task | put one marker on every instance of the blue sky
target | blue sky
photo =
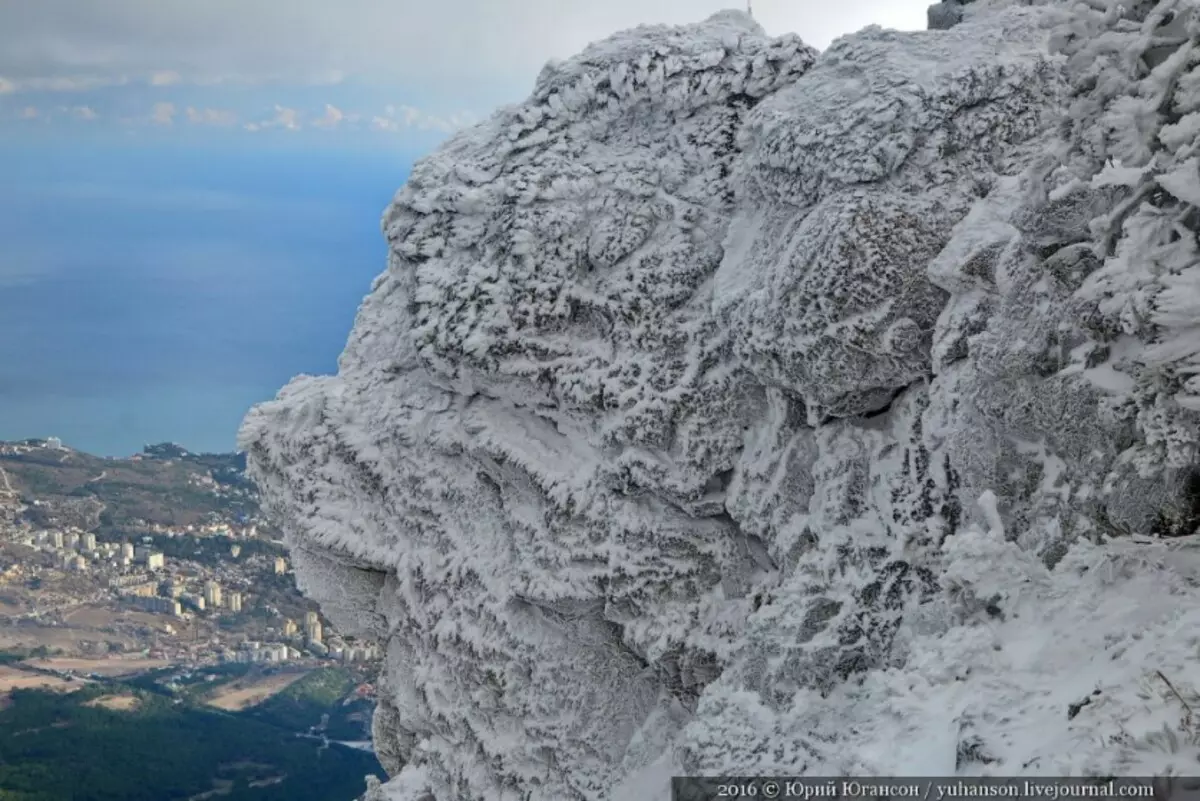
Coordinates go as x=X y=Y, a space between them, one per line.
x=191 y=192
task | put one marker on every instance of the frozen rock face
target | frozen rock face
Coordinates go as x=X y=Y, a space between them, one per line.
x=730 y=408
x=850 y=181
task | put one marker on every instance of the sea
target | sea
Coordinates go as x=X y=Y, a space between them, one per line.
x=155 y=293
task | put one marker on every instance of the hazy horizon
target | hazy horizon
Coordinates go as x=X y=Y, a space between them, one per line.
x=155 y=294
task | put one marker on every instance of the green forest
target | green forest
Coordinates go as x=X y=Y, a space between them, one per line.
x=57 y=747
x=315 y=702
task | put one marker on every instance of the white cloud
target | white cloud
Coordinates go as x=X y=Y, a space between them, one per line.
x=332 y=117
x=455 y=50
x=91 y=81
x=402 y=118
x=167 y=78
x=163 y=114
x=392 y=119
x=60 y=83
x=286 y=118
x=211 y=116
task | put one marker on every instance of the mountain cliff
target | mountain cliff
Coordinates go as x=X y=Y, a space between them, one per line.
x=730 y=407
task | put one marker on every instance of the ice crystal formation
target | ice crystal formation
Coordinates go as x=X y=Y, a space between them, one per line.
x=729 y=408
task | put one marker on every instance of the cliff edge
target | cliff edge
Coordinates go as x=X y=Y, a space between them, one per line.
x=733 y=408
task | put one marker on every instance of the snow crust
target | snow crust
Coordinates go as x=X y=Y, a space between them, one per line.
x=731 y=408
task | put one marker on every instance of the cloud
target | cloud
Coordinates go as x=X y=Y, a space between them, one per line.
x=286 y=118
x=167 y=78
x=454 y=50
x=60 y=83
x=402 y=118
x=163 y=114
x=332 y=118
x=211 y=116
x=92 y=81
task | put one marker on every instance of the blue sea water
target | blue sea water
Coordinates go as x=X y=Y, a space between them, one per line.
x=155 y=293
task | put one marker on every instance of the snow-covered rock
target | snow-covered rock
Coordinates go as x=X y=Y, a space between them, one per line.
x=728 y=407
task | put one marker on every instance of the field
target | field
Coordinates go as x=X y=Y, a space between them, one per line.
x=238 y=695
x=54 y=638
x=102 y=667
x=122 y=703
x=85 y=628
x=16 y=679
x=90 y=616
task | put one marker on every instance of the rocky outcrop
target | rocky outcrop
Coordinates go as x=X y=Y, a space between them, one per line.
x=732 y=408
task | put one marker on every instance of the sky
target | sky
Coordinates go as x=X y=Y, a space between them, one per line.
x=191 y=191
x=392 y=66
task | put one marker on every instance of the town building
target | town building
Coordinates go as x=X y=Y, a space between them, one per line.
x=144 y=590
x=128 y=580
x=251 y=651
x=87 y=542
x=212 y=594
x=162 y=606
x=235 y=602
x=280 y=565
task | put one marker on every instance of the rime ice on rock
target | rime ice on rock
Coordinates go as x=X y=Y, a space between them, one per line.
x=850 y=182
x=728 y=408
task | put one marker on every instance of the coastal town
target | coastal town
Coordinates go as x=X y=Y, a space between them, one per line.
x=176 y=593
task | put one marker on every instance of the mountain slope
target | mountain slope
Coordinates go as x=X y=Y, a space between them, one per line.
x=730 y=408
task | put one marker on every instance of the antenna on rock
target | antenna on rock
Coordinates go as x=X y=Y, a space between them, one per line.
x=750 y=8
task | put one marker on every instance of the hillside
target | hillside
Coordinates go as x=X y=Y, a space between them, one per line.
x=164 y=486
